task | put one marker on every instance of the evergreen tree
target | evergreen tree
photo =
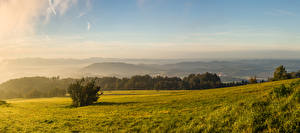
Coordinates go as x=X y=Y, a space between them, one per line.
x=280 y=73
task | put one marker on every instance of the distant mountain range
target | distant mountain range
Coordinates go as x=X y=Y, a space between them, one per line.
x=228 y=70
x=233 y=70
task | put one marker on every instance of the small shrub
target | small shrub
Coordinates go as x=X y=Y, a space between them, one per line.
x=253 y=80
x=282 y=91
x=84 y=92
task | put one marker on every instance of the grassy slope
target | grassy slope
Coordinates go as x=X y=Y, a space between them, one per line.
x=235 y=109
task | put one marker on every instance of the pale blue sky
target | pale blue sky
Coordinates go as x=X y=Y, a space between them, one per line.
x=151 y=28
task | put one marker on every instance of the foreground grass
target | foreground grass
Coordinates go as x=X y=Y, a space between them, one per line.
x=250 y=108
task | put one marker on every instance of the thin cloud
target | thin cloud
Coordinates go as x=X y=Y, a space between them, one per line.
x=58 y=6
x=51 y=7
x=81 y=14
x=280 y=12
x=19 y=17
x=88 y=4
x=88 y=26
x=85 y=14
x=141 y=3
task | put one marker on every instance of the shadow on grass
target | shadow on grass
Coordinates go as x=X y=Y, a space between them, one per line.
x=4 y=104
x=103 y=104
x=122 y=94
x=111 y=103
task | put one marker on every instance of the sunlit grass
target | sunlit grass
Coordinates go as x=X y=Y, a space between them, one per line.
x=214 y=110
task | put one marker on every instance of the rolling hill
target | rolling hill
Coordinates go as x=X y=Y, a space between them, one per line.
x=119 y=69
x=266 y=107
x=227 y=70
x=230 y=70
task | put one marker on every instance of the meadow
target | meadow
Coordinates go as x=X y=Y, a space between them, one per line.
x=249 y=108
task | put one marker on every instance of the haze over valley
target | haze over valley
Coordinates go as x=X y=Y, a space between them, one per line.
x=228 y=70
x=150 y=66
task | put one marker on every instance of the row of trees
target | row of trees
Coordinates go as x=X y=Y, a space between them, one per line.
x=34 y=87
x=87 y=91
x=146 y=82
x=281 y=73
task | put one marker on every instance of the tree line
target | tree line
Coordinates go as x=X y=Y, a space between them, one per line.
x=146 y=82
x=86 y=91
x=34 y=87
x=281 y=73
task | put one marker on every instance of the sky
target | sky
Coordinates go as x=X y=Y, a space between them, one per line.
x=150 y=28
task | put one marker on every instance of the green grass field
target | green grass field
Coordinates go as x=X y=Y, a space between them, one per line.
x=249 y=108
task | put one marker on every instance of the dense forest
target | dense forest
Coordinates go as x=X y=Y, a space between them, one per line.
x=146 y=82
x=33 y=87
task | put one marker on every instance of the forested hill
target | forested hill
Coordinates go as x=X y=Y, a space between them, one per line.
x=120 y=69
x=50 y=87
x=30 y=87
